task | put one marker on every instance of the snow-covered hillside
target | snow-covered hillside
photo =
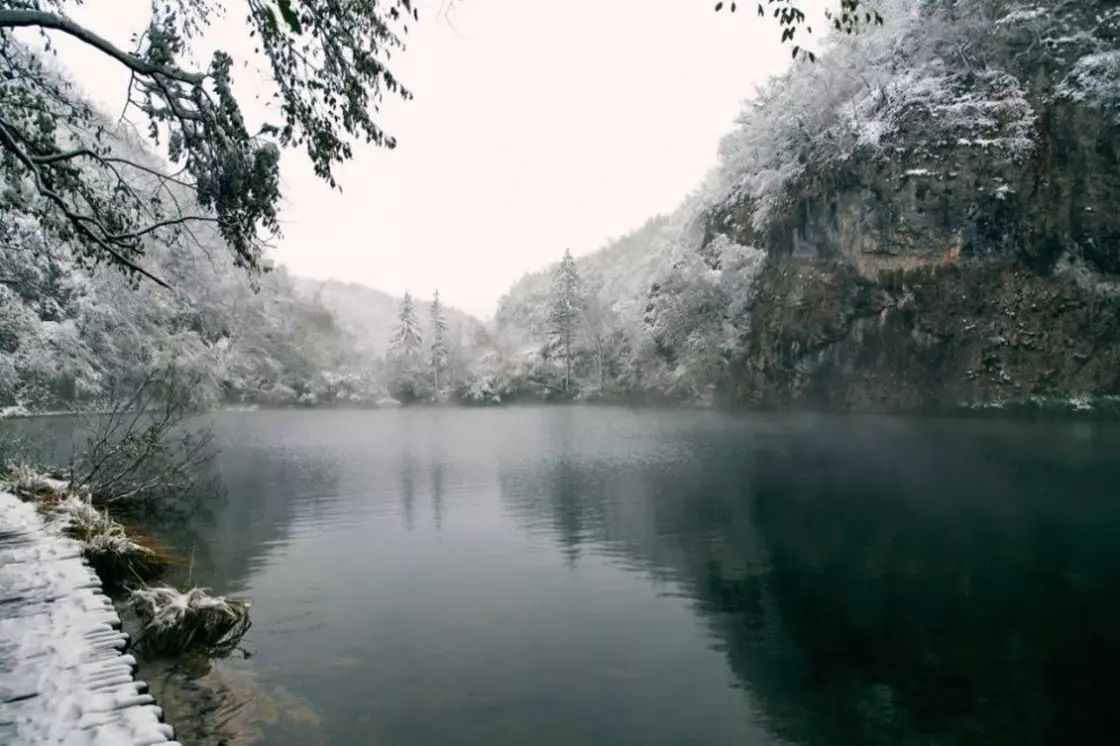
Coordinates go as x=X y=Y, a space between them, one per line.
x=903 y=146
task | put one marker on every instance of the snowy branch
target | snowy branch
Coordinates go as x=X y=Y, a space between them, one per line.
x=16 y=18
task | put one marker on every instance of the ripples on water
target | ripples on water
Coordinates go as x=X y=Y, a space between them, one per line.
x=602 y=576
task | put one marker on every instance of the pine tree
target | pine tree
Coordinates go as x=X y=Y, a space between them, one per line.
x=437 y=350
x=565 y=306
x=406 y=342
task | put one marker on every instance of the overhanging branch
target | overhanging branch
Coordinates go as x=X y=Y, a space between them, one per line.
x=9 y=142
x=43 y=19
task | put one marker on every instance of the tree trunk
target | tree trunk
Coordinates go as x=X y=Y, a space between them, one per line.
x=599 y=347
x=567 y=356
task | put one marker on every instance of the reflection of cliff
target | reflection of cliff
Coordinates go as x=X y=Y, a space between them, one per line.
x=879 y=582
x=931 y=590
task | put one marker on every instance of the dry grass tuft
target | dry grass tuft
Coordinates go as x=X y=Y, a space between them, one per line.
x=117 y=554
x=41 y=487
x=176 y=622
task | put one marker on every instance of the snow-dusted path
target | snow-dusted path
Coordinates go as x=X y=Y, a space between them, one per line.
x=64 y=678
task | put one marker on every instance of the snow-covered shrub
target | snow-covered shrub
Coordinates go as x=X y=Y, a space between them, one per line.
x=143 y=456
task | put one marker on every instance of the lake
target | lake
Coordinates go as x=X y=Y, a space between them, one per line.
x=577 y=575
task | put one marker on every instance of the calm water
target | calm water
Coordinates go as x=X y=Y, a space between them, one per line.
x=601 y=576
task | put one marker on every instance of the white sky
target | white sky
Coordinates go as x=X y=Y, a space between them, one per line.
x=536 y=127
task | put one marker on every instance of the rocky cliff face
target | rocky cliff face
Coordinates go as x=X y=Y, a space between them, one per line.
x=972 y=252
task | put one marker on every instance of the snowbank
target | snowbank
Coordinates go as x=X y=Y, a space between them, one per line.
x=66 y=679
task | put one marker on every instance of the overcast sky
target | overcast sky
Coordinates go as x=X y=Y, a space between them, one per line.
x=536 y=127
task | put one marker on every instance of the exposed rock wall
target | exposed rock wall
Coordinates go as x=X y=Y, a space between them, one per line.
x=942 y=271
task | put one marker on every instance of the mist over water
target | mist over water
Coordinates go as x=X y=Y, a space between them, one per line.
x=606 y=576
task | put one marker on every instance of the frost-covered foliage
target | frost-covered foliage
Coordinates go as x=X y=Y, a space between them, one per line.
x=368 y=317
x=661 y=314
x=117 y=555
x=407 y=338
x=325 y=65
x=933 y=75
x=696 y=317
x=567 y=305
x=177 y=622
x=36 y=485
x=142 y=454
x=495 y=377
x=71 y=334
x=71 y=337
x=403 y=359
x=1095 y=81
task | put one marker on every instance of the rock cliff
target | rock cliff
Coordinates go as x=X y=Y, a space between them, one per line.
x=965 y=246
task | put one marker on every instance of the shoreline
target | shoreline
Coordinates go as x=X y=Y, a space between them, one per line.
x=84 y=610
x=1072 y=408
x=73 y=671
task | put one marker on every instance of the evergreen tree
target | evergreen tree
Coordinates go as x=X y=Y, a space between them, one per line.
x=406 y=342
x=565 y=305
x=437 y=349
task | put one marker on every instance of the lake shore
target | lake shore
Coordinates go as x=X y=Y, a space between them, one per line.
x=68 y=674
x=1077 y=407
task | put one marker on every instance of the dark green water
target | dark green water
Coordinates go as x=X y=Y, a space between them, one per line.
x=601 y=576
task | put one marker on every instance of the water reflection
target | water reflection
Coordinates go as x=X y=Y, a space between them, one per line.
x=878 y=581
x=943 y=586
x=223 y=704
x=408 y=491
x=435 y=472
x=605 y=576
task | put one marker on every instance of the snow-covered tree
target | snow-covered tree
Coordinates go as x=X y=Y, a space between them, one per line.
x=404 y=356
x=438 y=352
x=407 y=340
x=565 y=310
x=327 y=64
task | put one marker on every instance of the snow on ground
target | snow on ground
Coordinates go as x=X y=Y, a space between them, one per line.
x=63 y=676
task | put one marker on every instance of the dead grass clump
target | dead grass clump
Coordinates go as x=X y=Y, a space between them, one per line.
x=117 y=555
x=37 y=486
x=175 y=623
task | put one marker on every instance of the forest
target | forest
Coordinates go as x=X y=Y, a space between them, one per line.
x=945 y=97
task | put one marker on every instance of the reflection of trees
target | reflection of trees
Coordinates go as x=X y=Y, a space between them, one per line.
x=407 y=476
x=570 y=502
x=235 y=531
x=435 y=470
x=567 y=498
x=918 y=585
x=232 y=531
